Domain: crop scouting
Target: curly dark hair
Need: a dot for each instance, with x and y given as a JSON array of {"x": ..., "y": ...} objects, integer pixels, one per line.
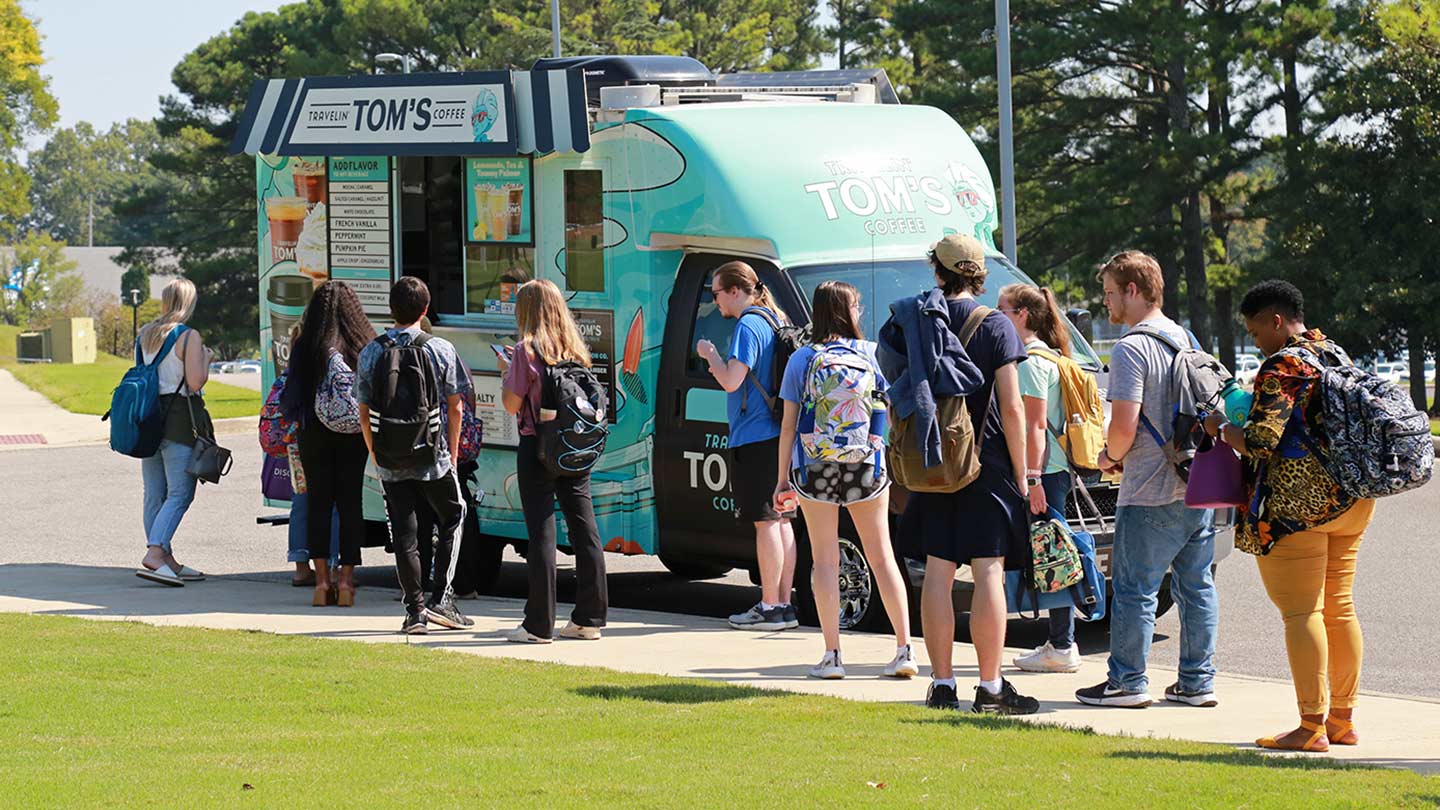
[
  {"x": 962, "y": 278},
  {"x": 333, "y": 320},
  {"x": 1285, "y": 298}
]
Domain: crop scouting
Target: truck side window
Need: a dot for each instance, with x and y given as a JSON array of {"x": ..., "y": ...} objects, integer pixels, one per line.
[
  {"x": 710, "y": 325},
  {"x": 584, "y": 231}
]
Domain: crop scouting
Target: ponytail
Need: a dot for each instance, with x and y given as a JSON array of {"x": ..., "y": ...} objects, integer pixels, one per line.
[
  {"x": 1042, "y": 314},
  {"x": 741, "y": 276}
]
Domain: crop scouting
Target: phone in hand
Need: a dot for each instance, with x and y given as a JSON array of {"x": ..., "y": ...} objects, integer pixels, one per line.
[{"x": 501, "y": 352}]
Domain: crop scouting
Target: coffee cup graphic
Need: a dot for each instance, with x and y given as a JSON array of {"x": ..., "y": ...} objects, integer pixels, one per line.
[
  {"x": 310, "y": 181},
  {"x": 286, "y": 216},
  {"x": 515, "y": 199},
  {"x": 287, "y": 297}
]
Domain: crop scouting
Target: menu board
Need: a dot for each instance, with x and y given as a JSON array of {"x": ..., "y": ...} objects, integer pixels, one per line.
[
  {"x": 361, "y": 238},
  {"x": 501, "y": 429},
  {"x": 597, "y": 328},
  {"x": 499, "y": 201}
]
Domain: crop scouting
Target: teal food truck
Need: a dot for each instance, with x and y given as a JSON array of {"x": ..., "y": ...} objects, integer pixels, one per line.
[{"x": 626, "y": 181}]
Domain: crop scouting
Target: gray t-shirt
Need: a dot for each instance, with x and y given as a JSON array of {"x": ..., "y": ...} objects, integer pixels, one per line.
[{"x": 1140, "y": 372}]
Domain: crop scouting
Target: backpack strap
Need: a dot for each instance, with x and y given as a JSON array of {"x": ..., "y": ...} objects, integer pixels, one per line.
[
  {"x": 165, "y": 348},
  {"x": 1174, "y": 347},
  {"x": 1054, "y": 358},
  {"x": 972, "y": 324},
  {"x": 769, "y": 318}
]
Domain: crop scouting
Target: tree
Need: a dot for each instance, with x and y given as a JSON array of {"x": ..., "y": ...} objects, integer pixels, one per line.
[
  {"x": 39, "y": 282},
  {"x": 80, "y": 175},
  {"x": 734, "y": 35},
  {"x": 858, "y": 29},
  {"x": 29, "y": 108}
]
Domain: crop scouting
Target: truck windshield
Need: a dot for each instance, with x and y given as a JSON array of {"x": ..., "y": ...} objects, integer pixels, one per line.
[{"x": 882, "y": 282}]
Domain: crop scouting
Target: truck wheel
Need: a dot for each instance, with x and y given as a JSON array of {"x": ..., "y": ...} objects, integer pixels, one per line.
[{"x": 690, "y": 569}]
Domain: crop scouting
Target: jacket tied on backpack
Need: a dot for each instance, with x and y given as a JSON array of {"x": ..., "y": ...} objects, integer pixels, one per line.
[{"x": 925, "y": 362}]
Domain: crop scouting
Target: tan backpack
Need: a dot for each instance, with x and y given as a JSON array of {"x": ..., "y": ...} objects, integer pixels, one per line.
[
  {"x": 959, "y": 448},
  {"x": 1082, "y": 437}
]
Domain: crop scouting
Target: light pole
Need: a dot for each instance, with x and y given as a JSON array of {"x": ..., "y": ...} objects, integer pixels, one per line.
[
  {"x": 403, "y": 59},
  {"x": 555, "y": 28},
  {"x": 134, "y": 296},
  {"x": 1007, "y": 128}
]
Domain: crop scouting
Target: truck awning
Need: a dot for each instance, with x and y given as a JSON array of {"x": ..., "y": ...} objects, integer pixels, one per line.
[{"x": 434, "y": 114}]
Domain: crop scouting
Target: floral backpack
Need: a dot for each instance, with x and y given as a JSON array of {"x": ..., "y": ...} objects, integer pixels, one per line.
[
  {"x": 1056, "y": 559},
  {"x": 840, "y": 396},
  {"x": 472, "y": 430},
  {"x": 335, "y": 404},
  {"x": 276, "y": 432}
]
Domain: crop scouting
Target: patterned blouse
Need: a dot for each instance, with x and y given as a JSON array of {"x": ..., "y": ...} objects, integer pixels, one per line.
[{"x": 1287, "y": 488}]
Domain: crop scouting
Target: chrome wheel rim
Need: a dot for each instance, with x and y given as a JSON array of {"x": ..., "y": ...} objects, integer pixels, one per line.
[{"x": 855, "y": 592}]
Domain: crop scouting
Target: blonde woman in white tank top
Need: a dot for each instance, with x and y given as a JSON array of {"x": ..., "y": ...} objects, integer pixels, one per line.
[{"x": 168, "y": 488}]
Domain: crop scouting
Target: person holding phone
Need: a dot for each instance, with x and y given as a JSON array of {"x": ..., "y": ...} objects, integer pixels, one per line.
[{"x": 832, "y": 454}]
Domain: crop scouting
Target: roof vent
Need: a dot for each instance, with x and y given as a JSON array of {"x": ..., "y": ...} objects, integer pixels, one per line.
[{"x": 623, "y": 71}]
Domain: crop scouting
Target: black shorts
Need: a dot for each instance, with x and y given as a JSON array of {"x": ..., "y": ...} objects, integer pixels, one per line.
[
  {"x": 752, "y": 480},
  {"x": 839, "y": 484},
  {"x": 989, "y": 518}
]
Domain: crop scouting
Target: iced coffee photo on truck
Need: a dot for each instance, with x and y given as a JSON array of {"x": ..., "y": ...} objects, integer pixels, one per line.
[{"x": 626, "y": 181}]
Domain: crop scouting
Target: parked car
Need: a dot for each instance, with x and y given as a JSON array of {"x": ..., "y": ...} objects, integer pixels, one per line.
[
  {"x": 1246, "y": 367},
  {"x": 247, "y": 367},
  {"x": 1389, "y": 371}
]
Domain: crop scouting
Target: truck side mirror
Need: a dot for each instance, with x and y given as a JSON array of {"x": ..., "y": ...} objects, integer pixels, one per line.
[{"x": 1083, "y": 323}]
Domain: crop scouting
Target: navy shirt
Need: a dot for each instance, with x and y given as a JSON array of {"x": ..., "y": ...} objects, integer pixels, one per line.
[{"x": 994, "y": 345}]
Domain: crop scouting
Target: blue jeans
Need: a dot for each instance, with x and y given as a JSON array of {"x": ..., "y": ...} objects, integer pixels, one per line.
[
  {"x": 299, "y": 550},
  {"x": 1062, "y": 620},
  {"x": 168, "y": 492},
  {"x": 1148, "y": 541}
]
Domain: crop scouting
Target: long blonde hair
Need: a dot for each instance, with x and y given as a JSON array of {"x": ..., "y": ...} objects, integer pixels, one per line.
[
  {"x": 739, "y": 275},
  {"x": 546, "y": 324},
  {"x": 177, "y": 304}
]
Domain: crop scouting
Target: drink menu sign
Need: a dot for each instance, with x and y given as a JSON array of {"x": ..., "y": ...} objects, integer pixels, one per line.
[
  {"x": 499, "y": 201},
  {"x": 361, "y": 236}
]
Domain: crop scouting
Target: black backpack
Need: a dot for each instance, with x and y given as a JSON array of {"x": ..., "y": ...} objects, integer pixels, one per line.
[
  {"x": 571, "y": 443},
  {"x": 405, "y": 405},
  {"x": 788, "y": 340}
]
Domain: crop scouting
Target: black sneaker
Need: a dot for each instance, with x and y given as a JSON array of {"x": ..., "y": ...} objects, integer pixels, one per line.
[
  {"x": 792, "y": 619},
  {"x": 1103, "y": 694},
  {"x": 942, "y": 696},
  {"x": 414, "y": 623},
  {"x": 1205, "y": 699},
  {"x": 445, "y": 614},
  {"x": 1007, "y": 702}
]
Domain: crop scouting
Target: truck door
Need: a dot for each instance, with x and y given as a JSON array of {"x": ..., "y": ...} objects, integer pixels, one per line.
[{"x": 692, "y": 462}]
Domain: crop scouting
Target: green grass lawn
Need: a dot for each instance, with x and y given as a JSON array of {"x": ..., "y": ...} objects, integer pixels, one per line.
[
  {"x": 7, "y": 342},
  {"x": 86, "y": 388},
  {"x": 119, "y": 715}
]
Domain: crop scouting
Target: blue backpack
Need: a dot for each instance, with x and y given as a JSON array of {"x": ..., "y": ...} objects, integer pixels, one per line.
[{"x": 137, "y": 424}]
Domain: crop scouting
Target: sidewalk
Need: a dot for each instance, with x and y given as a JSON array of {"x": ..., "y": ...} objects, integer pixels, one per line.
[
  {"x": 28, "y": 420},
  {"x": 1398, "y": 732}
]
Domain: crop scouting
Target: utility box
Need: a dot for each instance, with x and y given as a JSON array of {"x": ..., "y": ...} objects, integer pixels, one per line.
[{"x": 72, "y": 340}]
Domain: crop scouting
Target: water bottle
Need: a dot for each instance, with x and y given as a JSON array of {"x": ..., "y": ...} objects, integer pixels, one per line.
[{"x": 1237, "y": 402}]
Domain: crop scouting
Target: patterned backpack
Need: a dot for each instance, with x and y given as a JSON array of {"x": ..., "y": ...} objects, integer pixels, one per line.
[
  {"x": 840, "y": 393},
  {"x": 1379, "y": 443},
  {"x": 472, "y": 430},
  {"x": 335, "y": 404},
  {"x": 276, "y": 432},
  {"x": 1057, "y": 563}
]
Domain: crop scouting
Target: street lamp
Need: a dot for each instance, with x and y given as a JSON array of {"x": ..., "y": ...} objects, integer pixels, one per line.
[
  {"x": 134, "y": 296},
  {"x": 403, "y": 59},
  {"x": 1007, "y": 128}
]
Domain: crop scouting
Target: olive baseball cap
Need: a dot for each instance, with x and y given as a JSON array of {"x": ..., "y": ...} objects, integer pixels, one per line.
[{"x": 957, "y": 248}]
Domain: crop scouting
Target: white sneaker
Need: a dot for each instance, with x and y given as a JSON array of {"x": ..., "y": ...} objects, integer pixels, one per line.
[
  {"x": 1049, "y": 659},
  {"x": 902, "y": 665},
  {"x": 522, "y": 636},
  {"x": 829, "y": 668},
  {"x": 573, "y": 630}
]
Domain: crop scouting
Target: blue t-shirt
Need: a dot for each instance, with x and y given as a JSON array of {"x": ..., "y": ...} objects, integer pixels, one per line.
[
  {"x": 754, "y": 345},
  {"x": 792, "y": 389},
  {"x": 452, "y": 382}
]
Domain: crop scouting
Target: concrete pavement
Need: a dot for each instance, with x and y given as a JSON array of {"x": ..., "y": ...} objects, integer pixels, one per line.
[
  {"x": 29, "y": 420},
  {"x": 1397, "y": 732}
]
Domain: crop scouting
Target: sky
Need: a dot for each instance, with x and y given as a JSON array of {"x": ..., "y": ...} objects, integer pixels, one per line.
[{"x": 109, "y": 60}]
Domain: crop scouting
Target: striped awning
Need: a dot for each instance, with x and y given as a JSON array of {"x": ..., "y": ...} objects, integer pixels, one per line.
[{"x": 434, "y": 114}]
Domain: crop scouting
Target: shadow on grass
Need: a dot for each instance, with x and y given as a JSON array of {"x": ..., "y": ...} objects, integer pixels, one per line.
[
  {"x": 990, "y": 722},
  {"x": 687, "y": 693}
]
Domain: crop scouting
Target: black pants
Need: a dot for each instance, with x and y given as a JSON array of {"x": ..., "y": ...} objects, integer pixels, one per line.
[
  {"x": 538, "y": 493},
  {"x": 334, "y": 465},
  {"x": 401, "y": 501}
]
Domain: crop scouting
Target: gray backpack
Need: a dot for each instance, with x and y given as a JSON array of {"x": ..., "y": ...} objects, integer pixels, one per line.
[
  {"x": 1196, "y": 380},
  {"x": 1378, "y": 441}
]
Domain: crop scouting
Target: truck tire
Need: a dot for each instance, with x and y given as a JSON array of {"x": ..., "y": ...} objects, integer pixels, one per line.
[{"x": 692, "y": 569}]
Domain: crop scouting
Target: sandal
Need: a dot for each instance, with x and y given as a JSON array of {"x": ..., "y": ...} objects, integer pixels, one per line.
[
  {"x": 322, "y": 596},
  {"x": 1316, "y": 744},
  {"x": 1345, "y": 733}
]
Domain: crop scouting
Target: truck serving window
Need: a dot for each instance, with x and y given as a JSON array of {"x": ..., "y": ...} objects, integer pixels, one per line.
[
  {"x": 584, "y": 231},
  {"x": 492, "y": 274},
  {"x": 883, "y": 282}
]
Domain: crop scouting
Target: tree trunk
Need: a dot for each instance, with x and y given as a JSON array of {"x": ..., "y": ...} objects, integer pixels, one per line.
[
  {"x": 1196, "y": 289},
  {"x": 1416, "y": 347},
  {"x": 1290, "y": 92},
  {"x": 1192, "y": 236}
]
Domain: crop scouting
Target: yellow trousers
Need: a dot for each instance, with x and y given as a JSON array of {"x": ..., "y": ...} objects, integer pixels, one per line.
[{"x": 1310, "y": 577}]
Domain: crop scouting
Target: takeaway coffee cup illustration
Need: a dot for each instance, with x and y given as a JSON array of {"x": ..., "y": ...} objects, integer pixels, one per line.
[
  {"x": 515, "y": 197},
  {"x": 287, "y": 218},
  {"x": 287, "y": 297},
  {"x": 310, "y": 181}
]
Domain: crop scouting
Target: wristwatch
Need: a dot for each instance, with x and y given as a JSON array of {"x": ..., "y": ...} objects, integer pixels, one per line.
[{"x": 1032, "y": 481}]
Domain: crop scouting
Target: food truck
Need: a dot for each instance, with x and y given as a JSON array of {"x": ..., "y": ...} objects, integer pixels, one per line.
[{"x": 626, "y": 181}]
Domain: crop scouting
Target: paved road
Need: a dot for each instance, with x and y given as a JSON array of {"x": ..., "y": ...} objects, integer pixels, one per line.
[
  {"x": 251, "y": 381},
  {"x": 81, "y": 506}
]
